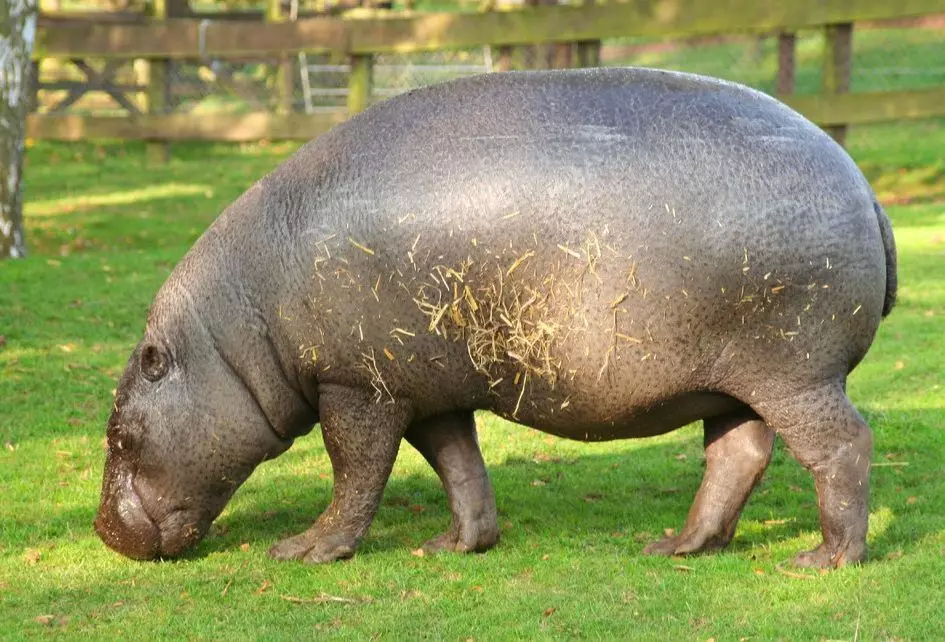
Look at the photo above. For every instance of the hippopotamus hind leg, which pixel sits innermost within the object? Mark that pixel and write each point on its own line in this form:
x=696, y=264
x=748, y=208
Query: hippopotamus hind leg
x=449, y=444
x=362, y=437
x=827, y=435
x=738, y=449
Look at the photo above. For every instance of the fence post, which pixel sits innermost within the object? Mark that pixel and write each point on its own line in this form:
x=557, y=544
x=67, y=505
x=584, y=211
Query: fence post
x=563, y=55
x=504, y=59
x=285, y=87
x=156, y=94
x=836, y=77
x=588, y=53
x=360, y=83
x=787, y=46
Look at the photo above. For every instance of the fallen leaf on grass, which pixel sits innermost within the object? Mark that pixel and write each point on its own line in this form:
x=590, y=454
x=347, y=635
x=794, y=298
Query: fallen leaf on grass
x=593, y=497
x=900, y=364
x=244, y=547
x=417, y=508
x=759, y=571
x=32, y=556
x=263, y=587
x=549, y=611
x=539, y=482
x=894, y=555
x=912, y=500
x=45, y=620
x=10, y=446
x=417, y=552
x=545, y=557
x=3, y=340
x=669, y=532
x=683, y=569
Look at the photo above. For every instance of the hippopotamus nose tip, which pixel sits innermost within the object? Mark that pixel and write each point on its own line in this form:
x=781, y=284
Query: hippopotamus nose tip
x=125, y=526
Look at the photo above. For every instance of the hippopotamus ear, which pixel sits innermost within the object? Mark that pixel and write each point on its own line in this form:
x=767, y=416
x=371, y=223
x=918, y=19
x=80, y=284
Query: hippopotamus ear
x=153, y=362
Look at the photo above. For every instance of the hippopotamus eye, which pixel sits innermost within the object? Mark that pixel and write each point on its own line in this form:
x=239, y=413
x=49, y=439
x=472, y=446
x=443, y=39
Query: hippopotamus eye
x=153, y=362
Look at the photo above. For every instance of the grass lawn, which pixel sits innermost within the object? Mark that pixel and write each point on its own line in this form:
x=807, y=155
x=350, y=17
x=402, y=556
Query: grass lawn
x=105, y=231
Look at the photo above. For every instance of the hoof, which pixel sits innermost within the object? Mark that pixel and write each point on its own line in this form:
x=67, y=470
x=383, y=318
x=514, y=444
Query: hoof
x=685, y=544
x=448, y=541
x=459, y=543
x=314, y=548
x=822, y=557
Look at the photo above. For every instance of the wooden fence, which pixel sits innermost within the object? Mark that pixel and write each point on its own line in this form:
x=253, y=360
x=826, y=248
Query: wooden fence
x=362, y=35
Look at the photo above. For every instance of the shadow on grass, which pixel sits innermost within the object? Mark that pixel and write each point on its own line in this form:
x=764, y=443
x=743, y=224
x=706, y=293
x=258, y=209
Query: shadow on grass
x=566, y=496
x=631, y=497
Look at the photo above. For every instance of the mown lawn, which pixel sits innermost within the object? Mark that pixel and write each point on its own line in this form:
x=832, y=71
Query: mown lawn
x=105, y=230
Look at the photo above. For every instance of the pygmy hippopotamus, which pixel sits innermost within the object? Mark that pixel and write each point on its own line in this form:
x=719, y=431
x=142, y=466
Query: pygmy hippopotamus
x=597, y=254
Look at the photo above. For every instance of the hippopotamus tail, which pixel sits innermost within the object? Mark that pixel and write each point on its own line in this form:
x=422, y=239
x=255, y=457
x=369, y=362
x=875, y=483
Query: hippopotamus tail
x=889, y=244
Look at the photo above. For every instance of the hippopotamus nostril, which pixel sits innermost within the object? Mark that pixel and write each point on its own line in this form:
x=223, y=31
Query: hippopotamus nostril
x=119, y=437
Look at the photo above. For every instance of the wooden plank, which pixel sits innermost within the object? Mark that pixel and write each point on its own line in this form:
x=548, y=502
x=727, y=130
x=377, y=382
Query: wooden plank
x=870, y=107
x=178, y=127
x=854, y=109
x=180, y=38
x=360, y=84
x=157, y=96
x=428, y=32
x=787, y=54
x=285, y=86
x=596, y=21
x=838, y=50
x=588, y=53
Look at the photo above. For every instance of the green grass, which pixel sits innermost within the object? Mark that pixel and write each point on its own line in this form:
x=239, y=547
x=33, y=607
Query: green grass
x=105, y=230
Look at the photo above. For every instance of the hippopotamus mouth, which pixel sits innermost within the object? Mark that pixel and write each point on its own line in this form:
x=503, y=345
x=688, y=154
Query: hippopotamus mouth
x=125, y=525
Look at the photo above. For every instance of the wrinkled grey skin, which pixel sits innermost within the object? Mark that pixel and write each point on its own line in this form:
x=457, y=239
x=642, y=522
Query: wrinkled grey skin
x=596, y=254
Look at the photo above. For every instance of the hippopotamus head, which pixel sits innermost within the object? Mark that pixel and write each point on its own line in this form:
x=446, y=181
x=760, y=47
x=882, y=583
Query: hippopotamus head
x=191, y=420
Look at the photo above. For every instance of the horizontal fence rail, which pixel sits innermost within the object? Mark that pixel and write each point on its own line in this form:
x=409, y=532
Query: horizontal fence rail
x=354, y=40
x=181, y=38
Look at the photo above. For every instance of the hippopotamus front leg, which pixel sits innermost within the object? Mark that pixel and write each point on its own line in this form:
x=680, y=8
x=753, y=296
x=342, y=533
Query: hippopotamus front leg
x=738, y=448
x=362, y=437
x=449, y=443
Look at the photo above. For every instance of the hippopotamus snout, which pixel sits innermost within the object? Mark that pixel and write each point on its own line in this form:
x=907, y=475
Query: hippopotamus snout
x=126, y=526
x=123, y=523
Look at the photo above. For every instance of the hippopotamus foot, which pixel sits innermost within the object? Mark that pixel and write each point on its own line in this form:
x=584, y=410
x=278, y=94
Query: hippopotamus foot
x=828, y=436
x=362, y=437
x=316, y=546
x=738, y=448
x=449, y=444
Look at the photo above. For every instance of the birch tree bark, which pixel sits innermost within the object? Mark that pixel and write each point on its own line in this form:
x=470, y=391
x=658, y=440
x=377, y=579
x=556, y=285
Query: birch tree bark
x=17, y=34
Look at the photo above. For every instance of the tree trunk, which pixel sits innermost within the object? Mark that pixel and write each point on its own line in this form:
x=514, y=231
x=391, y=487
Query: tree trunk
x=17, y=33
